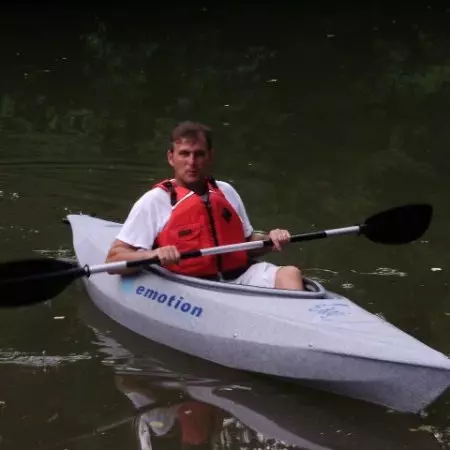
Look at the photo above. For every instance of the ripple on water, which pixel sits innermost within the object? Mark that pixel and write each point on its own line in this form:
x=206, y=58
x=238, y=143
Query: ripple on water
x=441, y=434
x=9, y=195
x=40, y=360
x=320, y=275
x=383, y=271
x=57, y=253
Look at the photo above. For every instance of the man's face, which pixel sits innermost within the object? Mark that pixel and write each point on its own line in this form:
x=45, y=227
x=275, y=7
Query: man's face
x=190, y=160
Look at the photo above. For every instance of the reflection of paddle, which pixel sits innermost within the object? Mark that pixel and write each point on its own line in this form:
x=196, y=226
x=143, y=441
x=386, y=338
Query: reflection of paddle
x=102, y=429
x=25, y=282
x=186, y=408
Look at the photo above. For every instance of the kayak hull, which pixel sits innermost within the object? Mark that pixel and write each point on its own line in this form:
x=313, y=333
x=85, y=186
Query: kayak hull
x=302, y=417
x=318, y=338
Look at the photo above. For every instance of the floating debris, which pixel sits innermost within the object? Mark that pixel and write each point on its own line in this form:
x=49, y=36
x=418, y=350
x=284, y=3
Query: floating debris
x=53, y=418
x=436, y=269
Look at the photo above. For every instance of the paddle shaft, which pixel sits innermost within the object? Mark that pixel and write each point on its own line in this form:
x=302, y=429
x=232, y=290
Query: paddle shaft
x=31, y=281
x=397, y=225
x=244, y=246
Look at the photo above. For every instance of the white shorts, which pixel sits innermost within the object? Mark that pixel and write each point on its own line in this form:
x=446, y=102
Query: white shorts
x=261, y=274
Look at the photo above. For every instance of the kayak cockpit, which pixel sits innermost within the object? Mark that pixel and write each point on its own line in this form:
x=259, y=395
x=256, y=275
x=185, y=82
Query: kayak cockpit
x=313, y=289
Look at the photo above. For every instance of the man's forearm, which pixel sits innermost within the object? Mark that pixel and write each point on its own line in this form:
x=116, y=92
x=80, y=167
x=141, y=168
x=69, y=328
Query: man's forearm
x=126, y=254
x=258, y=236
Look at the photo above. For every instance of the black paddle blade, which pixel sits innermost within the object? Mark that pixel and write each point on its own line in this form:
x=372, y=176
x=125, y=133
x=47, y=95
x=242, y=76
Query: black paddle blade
x=398, y=225
x=26, y=282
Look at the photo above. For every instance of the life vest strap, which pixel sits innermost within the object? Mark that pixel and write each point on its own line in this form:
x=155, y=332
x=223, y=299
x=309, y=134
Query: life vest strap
x=173, y=193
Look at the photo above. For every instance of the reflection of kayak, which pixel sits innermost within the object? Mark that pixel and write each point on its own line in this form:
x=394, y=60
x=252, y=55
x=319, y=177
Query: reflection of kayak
x=317, y=337
x=301, y=417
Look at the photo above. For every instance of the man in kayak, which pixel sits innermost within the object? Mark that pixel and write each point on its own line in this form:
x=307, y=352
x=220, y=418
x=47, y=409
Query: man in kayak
x=193, y=211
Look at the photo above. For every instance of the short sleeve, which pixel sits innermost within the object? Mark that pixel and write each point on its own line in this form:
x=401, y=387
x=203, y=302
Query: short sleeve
x=145, y=220
x=235, y=199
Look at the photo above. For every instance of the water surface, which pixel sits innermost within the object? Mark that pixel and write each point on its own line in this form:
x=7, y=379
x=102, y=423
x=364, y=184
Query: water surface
x=321, y=118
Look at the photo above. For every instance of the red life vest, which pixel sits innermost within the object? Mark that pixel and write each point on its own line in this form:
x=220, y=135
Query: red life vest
x=198, y=421
x=196, y=224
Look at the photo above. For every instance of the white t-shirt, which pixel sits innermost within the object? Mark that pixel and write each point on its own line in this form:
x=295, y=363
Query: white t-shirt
x=150, y=213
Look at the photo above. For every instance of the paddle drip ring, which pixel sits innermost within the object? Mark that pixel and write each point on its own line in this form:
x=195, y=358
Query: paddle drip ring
x=87, y=270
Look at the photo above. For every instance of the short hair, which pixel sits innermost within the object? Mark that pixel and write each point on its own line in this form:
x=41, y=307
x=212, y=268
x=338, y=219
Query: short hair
x=191, y=130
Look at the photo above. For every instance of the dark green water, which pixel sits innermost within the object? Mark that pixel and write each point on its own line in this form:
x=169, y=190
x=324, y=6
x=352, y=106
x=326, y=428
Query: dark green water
x=321, y=118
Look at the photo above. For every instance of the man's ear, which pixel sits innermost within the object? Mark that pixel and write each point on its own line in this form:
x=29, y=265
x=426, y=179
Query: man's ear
x=170, y=156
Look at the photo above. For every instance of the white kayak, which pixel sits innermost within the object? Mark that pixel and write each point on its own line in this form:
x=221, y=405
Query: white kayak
x=316, y=337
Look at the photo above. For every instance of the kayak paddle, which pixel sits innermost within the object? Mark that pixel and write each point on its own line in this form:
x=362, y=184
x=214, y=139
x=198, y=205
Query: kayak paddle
x=25, y=282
